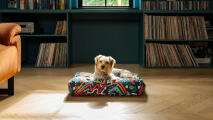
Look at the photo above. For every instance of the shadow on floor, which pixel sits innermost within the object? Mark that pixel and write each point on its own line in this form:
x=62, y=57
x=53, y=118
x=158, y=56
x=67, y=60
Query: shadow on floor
x=3, y=97
x=142, y=98
x=98, y=102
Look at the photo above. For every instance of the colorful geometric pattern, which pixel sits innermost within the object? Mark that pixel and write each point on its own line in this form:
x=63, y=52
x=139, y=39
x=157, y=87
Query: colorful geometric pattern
x=83, y=85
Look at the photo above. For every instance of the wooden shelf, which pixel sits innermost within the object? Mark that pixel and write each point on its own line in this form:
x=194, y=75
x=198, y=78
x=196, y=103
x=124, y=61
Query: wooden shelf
x=179, y=67
x=148, y=40
x=42, y=35
x=33, y=11
x=119, y=10
x=178, y=11
x=33, y=66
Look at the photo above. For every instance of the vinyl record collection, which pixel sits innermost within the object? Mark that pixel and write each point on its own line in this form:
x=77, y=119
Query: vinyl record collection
x=61, y=27
x=52, y=54
x=176, y=4
x=175, y=28
x=172, y=55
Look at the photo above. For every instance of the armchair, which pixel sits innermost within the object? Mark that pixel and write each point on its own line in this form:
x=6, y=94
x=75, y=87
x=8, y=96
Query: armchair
x=10, y=55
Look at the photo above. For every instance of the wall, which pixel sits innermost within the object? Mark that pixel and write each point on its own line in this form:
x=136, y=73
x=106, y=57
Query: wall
x=115, y=35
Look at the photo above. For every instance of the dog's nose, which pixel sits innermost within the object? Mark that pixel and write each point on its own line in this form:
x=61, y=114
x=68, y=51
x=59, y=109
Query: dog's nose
x=102, y=67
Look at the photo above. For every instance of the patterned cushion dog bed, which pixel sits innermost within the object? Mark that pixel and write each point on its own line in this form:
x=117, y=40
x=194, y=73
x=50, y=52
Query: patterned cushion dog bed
x=83, y=85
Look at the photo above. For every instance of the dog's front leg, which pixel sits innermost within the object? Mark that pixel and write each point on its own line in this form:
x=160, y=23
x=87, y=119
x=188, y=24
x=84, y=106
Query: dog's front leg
x=113, y=77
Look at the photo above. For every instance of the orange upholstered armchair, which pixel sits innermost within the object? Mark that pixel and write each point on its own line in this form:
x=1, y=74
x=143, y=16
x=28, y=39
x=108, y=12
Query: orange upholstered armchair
x=10, y=55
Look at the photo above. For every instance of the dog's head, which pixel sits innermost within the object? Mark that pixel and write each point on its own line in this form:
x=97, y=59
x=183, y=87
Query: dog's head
x=104, y=64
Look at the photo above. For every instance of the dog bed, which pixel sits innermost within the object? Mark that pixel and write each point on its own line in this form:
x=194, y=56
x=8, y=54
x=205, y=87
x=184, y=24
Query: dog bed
x=83, y=85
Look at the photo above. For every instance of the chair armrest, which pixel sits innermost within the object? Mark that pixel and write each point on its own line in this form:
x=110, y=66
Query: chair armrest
x=7, y=32
x=16, y=41
x=9, y=36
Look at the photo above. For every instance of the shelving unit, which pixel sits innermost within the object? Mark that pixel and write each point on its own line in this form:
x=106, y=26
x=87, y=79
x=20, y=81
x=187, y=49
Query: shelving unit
x=33, y=11
x=175, y=13
x=178, y=11
x=148, y=40
x=120, y=11
x=134, y=17
x=44, y=30
x=42, y=35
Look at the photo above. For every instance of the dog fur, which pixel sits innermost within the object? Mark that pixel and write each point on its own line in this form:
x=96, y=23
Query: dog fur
x=104, y=69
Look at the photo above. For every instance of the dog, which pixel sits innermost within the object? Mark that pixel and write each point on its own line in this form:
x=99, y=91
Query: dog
x=104, y=69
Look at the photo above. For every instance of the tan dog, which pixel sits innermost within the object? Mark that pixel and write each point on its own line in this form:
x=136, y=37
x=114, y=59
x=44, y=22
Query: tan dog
x=104, y=69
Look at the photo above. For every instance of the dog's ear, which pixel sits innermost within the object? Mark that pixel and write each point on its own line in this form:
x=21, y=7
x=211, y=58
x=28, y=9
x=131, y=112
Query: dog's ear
x=97, y=58
x=112, y=61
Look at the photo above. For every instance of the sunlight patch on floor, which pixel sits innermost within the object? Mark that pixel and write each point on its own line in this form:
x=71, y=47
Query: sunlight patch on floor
x=37, y=103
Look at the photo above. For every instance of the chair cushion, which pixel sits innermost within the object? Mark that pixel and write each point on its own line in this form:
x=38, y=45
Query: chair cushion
x=8, y=62
x=83, y=85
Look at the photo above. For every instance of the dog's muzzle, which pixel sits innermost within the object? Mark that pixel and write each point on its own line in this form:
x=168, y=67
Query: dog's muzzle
x=102, y=67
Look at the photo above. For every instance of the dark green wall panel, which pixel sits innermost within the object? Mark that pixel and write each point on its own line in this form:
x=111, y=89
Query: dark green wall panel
x=113, y=37
x=3, y=4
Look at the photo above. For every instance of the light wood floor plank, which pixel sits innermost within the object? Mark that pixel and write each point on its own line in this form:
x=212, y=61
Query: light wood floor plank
x=171, y=94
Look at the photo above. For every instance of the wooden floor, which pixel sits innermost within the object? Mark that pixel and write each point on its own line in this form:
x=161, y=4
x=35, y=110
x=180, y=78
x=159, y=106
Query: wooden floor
x=171, y=94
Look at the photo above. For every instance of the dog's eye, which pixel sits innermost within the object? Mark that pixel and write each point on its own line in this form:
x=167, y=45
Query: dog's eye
x=100, y=61
x=107, y=62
